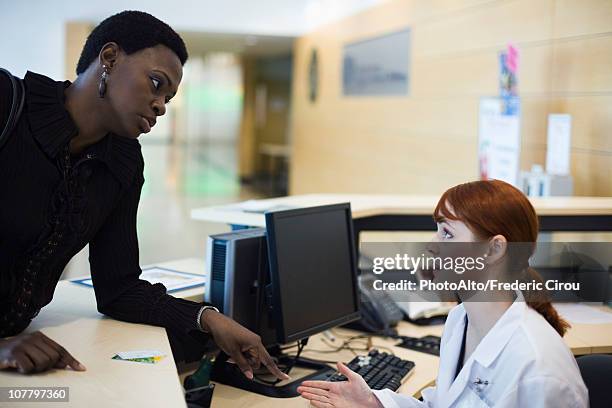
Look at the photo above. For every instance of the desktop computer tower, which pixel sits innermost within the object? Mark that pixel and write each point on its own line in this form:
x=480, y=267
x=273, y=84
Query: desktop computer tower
x=237, y=275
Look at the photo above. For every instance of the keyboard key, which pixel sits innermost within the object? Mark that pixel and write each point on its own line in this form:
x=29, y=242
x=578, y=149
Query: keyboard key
x=379, y=370
x=426, y=344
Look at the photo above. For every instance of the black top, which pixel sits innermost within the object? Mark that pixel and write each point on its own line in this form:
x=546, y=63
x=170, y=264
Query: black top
x=462, y=352
x=53, y=204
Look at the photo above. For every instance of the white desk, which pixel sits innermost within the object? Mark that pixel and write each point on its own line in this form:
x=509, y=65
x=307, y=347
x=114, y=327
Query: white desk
x=73, y=321
x=413, y=213
x=424, y=374
x=251, y=212
x=590, y=338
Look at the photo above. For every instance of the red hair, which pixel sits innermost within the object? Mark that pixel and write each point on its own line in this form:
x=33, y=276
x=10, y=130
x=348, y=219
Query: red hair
x=493, y=207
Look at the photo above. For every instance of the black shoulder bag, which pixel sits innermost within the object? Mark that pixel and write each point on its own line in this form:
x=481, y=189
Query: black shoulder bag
x=16, y=106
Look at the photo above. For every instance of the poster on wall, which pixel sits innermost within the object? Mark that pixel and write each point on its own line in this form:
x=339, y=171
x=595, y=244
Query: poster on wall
x=508, y=79
x=499, y=140
x=377, y=66
x=558, y=145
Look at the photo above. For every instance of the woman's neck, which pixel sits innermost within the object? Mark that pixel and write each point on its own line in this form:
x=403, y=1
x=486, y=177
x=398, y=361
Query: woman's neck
x=482, y=313
x=482, y=316
x=87, y=111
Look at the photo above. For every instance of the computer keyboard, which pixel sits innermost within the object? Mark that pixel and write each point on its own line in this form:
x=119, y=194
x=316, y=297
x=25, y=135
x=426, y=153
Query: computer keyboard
x=425, y=344
x=380, y=370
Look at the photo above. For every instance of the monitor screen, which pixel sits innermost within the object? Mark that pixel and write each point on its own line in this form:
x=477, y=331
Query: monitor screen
x=313, y=269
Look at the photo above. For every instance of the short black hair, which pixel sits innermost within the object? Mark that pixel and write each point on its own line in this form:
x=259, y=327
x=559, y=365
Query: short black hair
x=132, y=31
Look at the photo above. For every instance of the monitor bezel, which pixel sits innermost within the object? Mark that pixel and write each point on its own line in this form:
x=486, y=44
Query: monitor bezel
x=277, y=311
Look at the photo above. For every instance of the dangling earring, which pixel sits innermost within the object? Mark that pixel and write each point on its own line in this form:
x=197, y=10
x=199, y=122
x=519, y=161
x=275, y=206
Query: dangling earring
x=102, y=84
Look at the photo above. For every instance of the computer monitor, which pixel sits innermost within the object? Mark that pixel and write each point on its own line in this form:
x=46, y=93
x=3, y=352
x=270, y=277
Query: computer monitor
x=310, y=286
x=313, y=270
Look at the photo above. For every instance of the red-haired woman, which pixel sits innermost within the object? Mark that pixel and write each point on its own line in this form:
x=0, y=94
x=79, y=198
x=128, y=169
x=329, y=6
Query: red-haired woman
x=506, y=353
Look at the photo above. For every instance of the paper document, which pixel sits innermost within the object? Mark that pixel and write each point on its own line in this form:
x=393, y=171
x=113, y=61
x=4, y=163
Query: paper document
x=579, y=313
x=128, y=355
x=258, y=206
x=172, y=280
x=140, y=356
x=420, y=310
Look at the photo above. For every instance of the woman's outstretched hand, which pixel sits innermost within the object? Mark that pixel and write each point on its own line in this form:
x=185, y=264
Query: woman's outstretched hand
x=34, y=353
x=353, y=393
x=242, y=345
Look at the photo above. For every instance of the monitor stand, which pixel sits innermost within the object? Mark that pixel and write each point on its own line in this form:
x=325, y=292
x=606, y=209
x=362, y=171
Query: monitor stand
x=229, y=374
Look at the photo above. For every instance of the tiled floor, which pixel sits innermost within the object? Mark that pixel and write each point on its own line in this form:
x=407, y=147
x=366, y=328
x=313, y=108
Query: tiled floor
x=179, y=178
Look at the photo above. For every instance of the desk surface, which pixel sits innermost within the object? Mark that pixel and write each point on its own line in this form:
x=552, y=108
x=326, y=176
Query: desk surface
x=251, y=212
x=424, y=374
x=582, y=339
x=73, y=321
x=585, y=338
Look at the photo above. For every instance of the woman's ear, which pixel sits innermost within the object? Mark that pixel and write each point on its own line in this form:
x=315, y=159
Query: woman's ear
x=496, y=249
x=109, y=54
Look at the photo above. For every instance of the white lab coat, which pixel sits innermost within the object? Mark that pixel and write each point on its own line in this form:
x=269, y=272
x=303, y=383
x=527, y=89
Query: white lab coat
x=524, y=360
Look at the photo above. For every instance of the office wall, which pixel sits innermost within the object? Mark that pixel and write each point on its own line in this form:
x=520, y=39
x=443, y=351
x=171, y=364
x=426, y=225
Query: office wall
x=75, y=36
x=427, y=141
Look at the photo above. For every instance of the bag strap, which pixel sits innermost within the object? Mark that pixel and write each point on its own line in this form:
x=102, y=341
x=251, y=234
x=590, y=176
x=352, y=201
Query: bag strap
x=16, y=106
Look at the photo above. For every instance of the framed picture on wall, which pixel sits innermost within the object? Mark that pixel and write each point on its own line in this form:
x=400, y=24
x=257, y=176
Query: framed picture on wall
x=377, y=66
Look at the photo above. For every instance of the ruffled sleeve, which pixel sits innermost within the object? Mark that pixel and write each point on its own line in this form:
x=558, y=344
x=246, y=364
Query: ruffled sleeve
x=6, y=97
x=50, y=122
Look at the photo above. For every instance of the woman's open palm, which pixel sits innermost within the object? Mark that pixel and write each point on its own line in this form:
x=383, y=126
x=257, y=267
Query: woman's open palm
x=353, y=393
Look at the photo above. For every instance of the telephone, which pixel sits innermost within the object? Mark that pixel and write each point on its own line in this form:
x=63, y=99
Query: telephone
x=379, y=313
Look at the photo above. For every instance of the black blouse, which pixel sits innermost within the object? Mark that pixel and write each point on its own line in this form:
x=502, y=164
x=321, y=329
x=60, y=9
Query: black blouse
x=52, y=204
x=462, y=351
